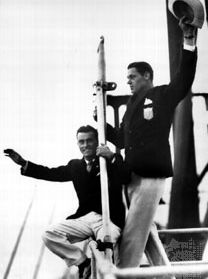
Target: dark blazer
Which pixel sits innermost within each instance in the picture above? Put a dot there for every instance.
(144, 131)
(87, 184)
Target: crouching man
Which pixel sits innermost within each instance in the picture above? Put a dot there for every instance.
(87, 222)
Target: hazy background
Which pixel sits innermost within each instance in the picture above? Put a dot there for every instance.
(48, 64)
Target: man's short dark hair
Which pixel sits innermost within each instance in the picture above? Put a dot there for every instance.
(141, 68)
(88, 129)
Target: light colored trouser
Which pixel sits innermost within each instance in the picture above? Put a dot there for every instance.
(144, 195)
(61, 238)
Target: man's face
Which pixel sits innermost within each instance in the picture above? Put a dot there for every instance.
(135, 80)
(87, 143)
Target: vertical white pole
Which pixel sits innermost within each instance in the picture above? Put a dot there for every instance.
(101, 118)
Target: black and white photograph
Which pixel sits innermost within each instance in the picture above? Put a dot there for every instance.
(104, 139)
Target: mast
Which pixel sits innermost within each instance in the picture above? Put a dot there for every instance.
(101, 87)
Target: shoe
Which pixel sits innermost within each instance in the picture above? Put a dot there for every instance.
(85, 269)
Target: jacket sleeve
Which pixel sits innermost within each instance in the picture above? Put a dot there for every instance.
(181, 84)
(116, 135)
(59, 174)
(119, 170)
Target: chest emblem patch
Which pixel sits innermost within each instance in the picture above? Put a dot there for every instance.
(148, 109)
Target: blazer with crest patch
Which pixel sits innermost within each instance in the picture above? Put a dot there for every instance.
(144, 131)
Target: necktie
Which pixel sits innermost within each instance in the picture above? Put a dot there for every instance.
(89, 166)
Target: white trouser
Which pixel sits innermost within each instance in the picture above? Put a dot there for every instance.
(61, 238)
(144, 195)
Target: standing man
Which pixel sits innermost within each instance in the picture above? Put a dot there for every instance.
(144, 133)
(61, 238)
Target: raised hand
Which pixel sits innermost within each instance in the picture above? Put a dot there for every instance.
(14, 156)
(189, 31)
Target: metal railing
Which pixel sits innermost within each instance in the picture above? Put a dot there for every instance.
(102, 268)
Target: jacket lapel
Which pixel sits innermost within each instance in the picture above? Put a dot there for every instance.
(95, 166)
(132, 105)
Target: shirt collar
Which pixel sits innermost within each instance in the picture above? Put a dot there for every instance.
(88, 161)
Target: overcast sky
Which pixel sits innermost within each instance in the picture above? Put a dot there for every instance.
(48, 64)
